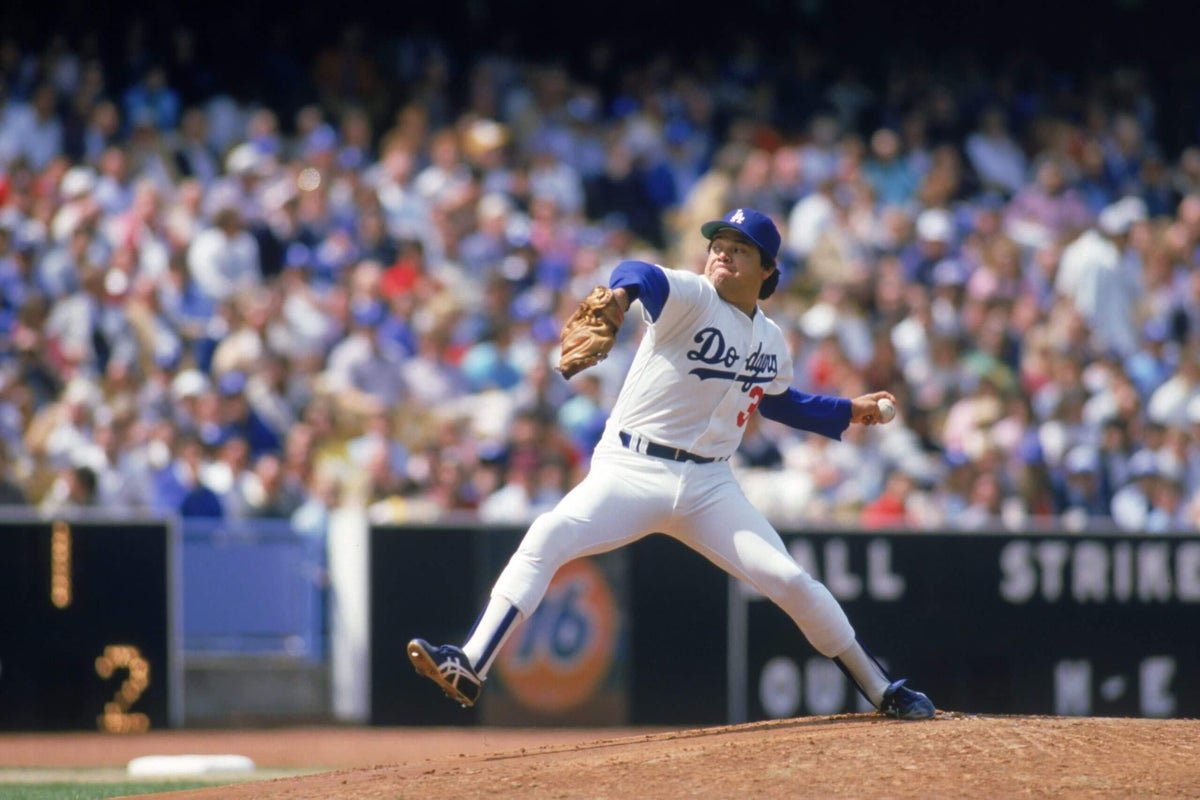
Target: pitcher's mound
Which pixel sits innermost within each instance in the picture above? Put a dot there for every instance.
(852, 755)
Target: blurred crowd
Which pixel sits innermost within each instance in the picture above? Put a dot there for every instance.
(222, 306)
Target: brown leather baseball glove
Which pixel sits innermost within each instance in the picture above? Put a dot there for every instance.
(588, 336)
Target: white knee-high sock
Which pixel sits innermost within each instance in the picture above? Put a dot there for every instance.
(493, 627)
(865, 671)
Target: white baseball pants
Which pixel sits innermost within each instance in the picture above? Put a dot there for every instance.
(628, 495)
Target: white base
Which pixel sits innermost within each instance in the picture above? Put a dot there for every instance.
(189, 765)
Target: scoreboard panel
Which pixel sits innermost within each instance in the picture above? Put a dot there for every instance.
(88, 625)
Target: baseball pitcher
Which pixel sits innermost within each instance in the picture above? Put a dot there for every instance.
(709, 360)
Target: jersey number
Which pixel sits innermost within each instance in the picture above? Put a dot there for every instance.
(756, 396)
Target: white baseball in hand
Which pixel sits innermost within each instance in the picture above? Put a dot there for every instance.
(887, 409)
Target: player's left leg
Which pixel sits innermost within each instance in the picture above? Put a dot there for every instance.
(726, 528)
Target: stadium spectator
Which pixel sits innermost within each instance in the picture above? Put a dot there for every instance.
(72, 492)
(223, 259)
(997, 158)
(1046, 210)
(11, 493)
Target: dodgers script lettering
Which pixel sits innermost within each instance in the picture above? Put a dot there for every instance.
(759, 367)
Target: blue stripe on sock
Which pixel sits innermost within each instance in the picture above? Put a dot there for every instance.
(497, 637)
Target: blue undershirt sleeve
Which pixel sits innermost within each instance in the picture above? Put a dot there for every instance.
(642, 281)
(815, 413)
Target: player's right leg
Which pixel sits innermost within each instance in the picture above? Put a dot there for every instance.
(625, 497)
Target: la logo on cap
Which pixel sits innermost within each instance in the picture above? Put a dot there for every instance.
(738, 217)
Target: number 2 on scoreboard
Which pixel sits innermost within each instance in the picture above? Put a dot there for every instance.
(117, 717)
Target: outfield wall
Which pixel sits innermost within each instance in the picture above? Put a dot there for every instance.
(120, 624)
(985, 622)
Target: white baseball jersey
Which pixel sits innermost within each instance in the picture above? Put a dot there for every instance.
(700, 371)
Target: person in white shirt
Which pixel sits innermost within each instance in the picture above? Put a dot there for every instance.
(1100, 274)
(223, 259)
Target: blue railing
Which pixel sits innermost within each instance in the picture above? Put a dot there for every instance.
(252, 587)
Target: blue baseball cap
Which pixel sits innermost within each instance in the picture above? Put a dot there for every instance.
(754, 225)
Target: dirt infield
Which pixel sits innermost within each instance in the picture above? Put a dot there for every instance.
(856, 755)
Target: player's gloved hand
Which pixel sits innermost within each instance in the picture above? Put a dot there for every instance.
(589, 335)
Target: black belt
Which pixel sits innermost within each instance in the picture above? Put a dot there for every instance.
(644, 445)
